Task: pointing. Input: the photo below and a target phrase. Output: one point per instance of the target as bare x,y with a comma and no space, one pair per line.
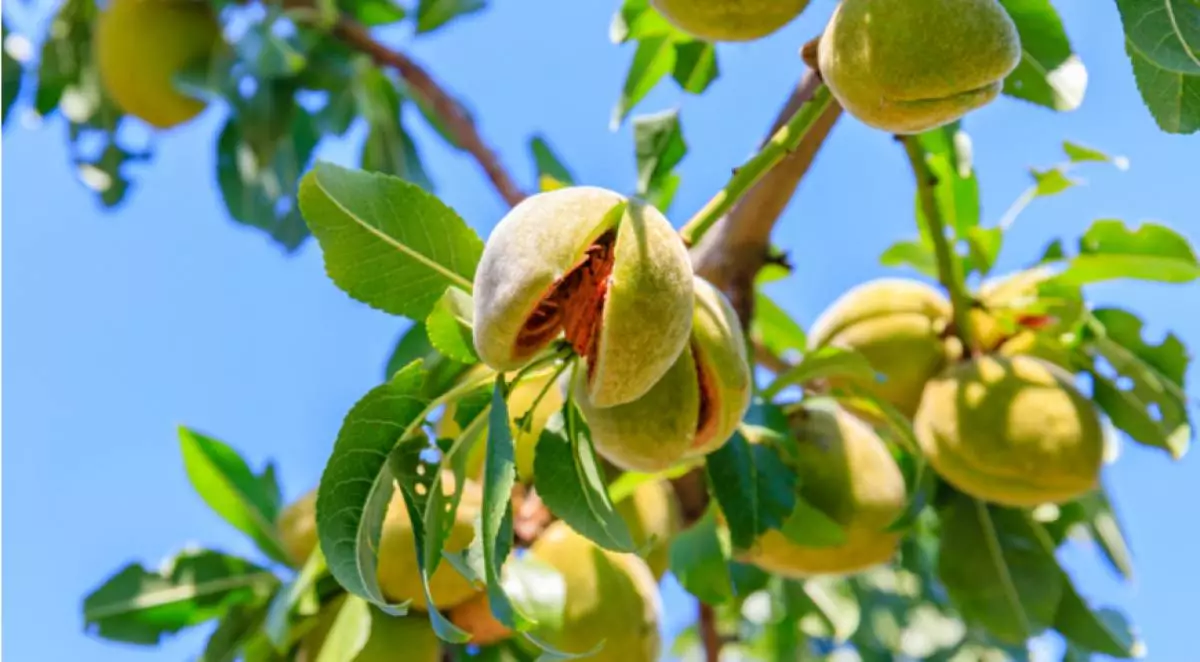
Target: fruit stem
784,142
949,270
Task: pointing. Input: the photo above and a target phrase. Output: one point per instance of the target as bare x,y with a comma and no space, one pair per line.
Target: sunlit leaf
1049,73
755,489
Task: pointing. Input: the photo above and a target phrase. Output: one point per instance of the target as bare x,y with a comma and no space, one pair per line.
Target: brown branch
709,635
459,124
731,255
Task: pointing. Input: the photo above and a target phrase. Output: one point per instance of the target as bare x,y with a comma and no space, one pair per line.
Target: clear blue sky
119,326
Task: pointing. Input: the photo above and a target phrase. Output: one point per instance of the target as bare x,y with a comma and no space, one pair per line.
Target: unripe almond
694,408
610,274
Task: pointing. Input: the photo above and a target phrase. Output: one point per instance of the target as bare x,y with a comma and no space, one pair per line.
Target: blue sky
120,326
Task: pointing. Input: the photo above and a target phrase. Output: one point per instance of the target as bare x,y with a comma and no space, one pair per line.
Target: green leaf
1106,631
699,560
433,14
388,148
552,173
695,65
1172,97
1051,182
1109,250
349,633
10,76
914,253
432,515
297,598
755,489
267,53
775,328
1152,407
823,363
810,527
450,325
223,479
1081,153
948,152
500,473
1049,73
1165,32
66,57
1106,530
636,19
660,147
356,486
140,606
538,589
985,245
833,601
387,242
570,482
413,344
996,571
373,12
654,59
236,629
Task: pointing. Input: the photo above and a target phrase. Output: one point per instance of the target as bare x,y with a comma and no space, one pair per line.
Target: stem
784,142
458,123
709,635
949,271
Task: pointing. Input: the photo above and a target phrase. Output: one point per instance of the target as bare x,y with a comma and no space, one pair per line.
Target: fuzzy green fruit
392,638
907,66
693,409
610,274
141,45
399,576
1011,321
611,597
730,20
845,471
652,513
1013,431
897,324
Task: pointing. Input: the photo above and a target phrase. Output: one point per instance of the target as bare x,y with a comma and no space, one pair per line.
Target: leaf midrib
177,594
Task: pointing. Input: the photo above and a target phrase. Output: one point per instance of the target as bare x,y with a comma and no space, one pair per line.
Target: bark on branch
446,107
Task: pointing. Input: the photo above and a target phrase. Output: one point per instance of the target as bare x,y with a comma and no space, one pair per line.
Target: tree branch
709,635
446,107
732,253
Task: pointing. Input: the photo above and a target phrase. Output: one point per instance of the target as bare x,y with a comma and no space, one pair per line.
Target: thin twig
459,124
733,252
709,635
769,359
949,270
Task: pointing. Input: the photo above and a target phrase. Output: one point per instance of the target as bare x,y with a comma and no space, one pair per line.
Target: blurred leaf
1105,631
552,173
297,598
654,59
413,344
636,19
237,627
755,489
1165,32
659,147
432,515
388,148
268,54
10,76
996,570
1051,182
139,606
537,589
1148,400
398,263
450,325
700,560
349,632
914,253
984,245
823,363
66,58
775,328
810,527
948,152
1106,530
1080,153
500,474
356,486
570,482
695,65
1109,250
223,479
1172,97
1049,73
433,14
921,484
373,12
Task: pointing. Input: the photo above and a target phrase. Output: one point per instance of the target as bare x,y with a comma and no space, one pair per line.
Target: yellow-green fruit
694,408
1038,345
609,273
611,597
730,20
897,325
141,45
399,577
520,401
1013,431
652,513
907,66
1010,322
392,638
845,471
